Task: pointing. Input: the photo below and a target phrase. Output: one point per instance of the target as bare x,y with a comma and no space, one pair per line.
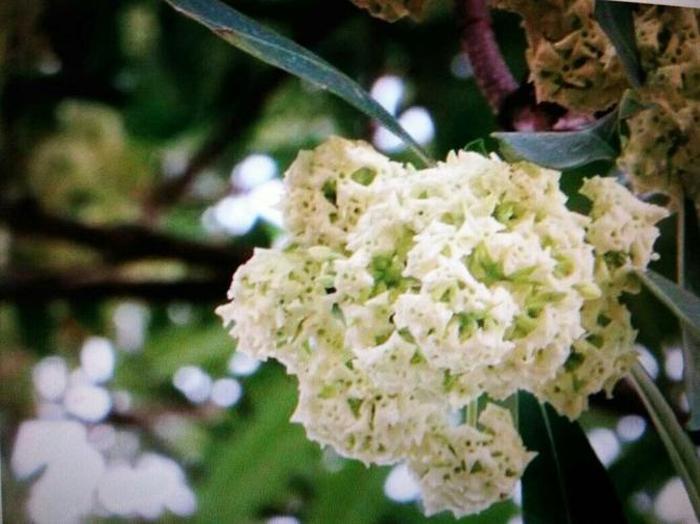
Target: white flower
279,303
329,188
340,406
597,360
406,294
465,468
622,230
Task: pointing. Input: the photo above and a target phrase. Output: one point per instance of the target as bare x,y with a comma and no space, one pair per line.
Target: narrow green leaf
686,307
691,365
615,18
565,483
630,105
679,447
690,343
279,51
565,149
478,145
682,303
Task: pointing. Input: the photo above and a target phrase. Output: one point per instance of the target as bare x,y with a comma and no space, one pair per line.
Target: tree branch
45,288
309,34
172,189
479,42
122,242
516,106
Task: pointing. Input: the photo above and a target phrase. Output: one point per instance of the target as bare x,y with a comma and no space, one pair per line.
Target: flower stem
472,414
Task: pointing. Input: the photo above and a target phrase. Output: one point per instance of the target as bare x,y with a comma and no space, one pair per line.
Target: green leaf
691,343
630,105
691,365
36,326
208,346
477,145
248,471
682,303
349,495
565,149
279,51
615,18
646,454
355,495
565,483
166,350
679,447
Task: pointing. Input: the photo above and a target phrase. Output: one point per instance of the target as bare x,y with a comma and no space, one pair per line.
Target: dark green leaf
646,454
630,105
36,326
477,146
682,303
565,483
680,448
207,346
565,149
691,370
279,51
691,344
615,18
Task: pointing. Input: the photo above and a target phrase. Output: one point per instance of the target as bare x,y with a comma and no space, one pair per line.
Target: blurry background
140,161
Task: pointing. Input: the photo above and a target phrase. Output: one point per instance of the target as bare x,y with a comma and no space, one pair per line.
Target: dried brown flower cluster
573,64
392,10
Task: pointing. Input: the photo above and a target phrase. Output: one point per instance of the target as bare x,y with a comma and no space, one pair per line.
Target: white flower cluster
406,296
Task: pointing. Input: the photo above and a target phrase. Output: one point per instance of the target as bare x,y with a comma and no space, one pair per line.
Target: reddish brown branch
479,42
515,105
121,242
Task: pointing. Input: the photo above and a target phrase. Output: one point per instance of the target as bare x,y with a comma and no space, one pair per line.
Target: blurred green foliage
96,97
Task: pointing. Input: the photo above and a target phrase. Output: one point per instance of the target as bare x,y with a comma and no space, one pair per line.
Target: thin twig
148,417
